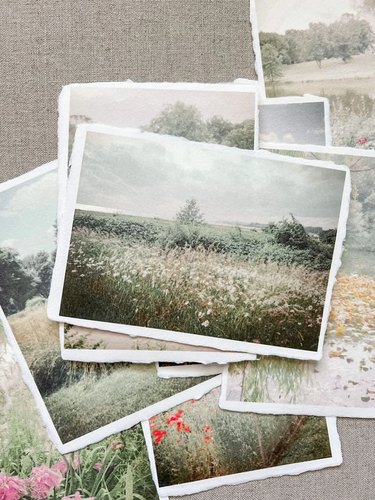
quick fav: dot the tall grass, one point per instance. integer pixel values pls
(195, 290)
(198, 440)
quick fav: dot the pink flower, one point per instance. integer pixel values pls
(11, 488)
(77, 496)
(116, 445)
(98, 466)
(73, 460)
(60, 466)
(42, 481)
(362, 140)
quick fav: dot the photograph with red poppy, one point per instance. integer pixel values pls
(199, 243)
(197, 441)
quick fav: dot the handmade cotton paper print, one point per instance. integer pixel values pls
(197, 446)
(298, 120)
(107, 398)
(322, 48)
(200, 244)
(343, 382)
(31, 466)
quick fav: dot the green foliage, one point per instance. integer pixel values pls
(40, 267)
(190, 213)
(212, 442)
(186, 121)
(342, 39)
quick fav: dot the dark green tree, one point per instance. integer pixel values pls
(40, 267)
(271, 62)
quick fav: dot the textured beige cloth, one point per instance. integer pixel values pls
(46, 44)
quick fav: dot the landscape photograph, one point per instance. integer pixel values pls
(100, 393)
(178, 236)
(345, 377)
(324, 48)
(198, 441)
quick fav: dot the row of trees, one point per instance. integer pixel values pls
(342, 39)
(23, 279)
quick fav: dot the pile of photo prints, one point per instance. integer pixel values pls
(188, 292)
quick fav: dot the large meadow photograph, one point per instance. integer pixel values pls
(324, 48)
(197, 442)
(100, 394)
(343, 382)
(173, 235)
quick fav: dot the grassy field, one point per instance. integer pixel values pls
(198, 440)
(209, 281)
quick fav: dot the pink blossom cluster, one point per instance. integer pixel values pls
(40, 484)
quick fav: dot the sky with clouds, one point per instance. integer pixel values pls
(27, 215)
(150, 178)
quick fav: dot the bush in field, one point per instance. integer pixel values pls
(198, 440)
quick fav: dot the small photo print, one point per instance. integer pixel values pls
(323, 48)
(197, 446)
(199, 244)
(294, 123)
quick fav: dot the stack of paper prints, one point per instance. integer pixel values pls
(187, 292)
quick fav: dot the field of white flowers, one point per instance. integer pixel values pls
(195, 290)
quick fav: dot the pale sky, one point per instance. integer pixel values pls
(123, 107)
(281, 15)
(27, 215)
(146, 178)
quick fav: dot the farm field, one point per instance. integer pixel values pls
(219, 281)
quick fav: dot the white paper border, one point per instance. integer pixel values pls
(245, 477)
(182, 371)
(291, 408)
(305, 99)
(185, 338)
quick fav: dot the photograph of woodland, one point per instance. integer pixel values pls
(293, 123)
(215, 116)
(210, 241)
(197, 440)
(99, 393)
(32, 468)
(345, 377)
(324, 48)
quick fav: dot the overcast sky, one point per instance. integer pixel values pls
(293, 123)
(146, 178)
(281, 15)
(27, 215)
(137, 107)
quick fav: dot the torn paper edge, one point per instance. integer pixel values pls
(186, 338)
(306, 99)
(245, 477)
(182, 371)
(291, 408)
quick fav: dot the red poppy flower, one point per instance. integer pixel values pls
(362, 140)
(159, 435)
(187, 428)
(207, 439)
(207, 428)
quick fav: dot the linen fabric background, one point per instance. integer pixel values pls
(45, 45)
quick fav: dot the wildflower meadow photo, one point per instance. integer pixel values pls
(32, 468)
(114, 396)
(198, 243)
(197, 446)
(343, 382)
(324, 48)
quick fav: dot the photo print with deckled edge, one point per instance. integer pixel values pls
(223, 113)
(196, 446)
(321, 48)
(294, 122)
(115, 466)
(342, 383)
(63, 389)
(182, 226)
